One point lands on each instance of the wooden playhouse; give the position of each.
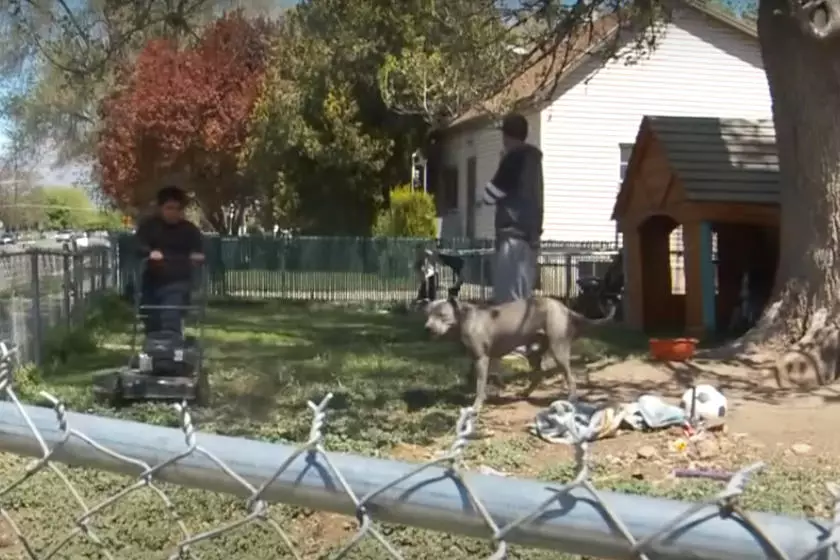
(717, 179)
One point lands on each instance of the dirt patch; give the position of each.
(8, 540)
(316, 531)
(766, 416)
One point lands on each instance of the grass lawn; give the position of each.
(395, 395)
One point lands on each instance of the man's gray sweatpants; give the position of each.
(515, 273)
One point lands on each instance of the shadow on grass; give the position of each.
(613, 342)
(609, 346)
(266, 361)
(77, 370)
(272, 358)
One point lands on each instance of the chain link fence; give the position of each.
(440, 495)
(45, 289)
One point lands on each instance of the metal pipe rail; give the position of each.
(574, 520)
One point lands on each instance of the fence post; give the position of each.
(37, 319)
(282, 257)
(567, 264)
(66, 282)
(114, 262)
(102, 257)
(79, 291)
(482, 267)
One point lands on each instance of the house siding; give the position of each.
(700, 68)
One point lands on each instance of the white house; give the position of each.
(707, 63)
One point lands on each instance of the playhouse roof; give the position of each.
(716, 160)
(721, 160)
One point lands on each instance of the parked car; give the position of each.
(63, 236)
(8, 239)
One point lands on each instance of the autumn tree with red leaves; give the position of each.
(181, 115)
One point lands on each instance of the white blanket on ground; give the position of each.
(564, 422)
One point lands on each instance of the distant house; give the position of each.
(707, 64)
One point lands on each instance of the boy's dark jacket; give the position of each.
(176, 242)
(520, 213)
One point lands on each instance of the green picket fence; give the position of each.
(366, 269)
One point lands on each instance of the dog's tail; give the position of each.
(585, 322)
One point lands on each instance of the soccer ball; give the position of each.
(709, 405)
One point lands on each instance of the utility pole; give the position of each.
(16, 191)
(419, 164)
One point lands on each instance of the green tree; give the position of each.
(107, 220)
(456, 54)
(19, 193)
(339, 116)
(66, 207)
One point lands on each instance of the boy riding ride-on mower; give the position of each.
(168, 365)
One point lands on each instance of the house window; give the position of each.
(626, 151)
(449, 189)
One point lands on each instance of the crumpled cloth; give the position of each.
(565, 422)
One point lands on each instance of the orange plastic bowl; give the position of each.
(672, 349)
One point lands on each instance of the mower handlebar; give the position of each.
(146, 260)
(198, 280)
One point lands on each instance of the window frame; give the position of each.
(449, 189)
(625, 152)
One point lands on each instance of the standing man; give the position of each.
(517, 191)
(173, 246)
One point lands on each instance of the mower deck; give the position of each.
(165, 364)
(126, 385)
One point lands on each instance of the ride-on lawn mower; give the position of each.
(168, 365)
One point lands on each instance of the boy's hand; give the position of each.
(197, 257)
(155, 256)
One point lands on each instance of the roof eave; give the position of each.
(702, 7)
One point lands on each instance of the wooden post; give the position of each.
(699, 279)
(633, 280)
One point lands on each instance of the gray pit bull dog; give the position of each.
(489, 332)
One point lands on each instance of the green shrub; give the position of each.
(410, 213)
(61, 343)
(108, 313)
(105, 315)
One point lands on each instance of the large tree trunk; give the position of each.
(804, 78)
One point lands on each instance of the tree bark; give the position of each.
(804, 79)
